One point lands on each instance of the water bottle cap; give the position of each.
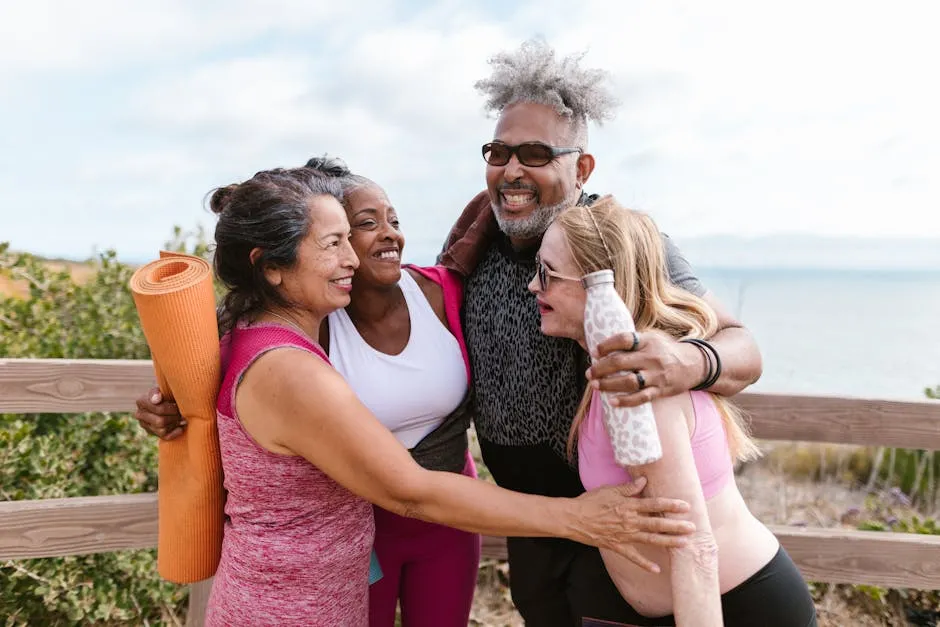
(601, 277)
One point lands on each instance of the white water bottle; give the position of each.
(632, 430)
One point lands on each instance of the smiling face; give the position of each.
(561, 305)
(376, 236)
(526, 199)
(320, 280)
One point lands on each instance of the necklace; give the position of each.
(288, 321)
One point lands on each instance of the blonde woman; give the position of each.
(734, 572)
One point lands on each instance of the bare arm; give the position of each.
(696, 594)
(741, 363)
(293, 403)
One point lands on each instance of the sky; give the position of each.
(746, 119)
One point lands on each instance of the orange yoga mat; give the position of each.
(176, 303)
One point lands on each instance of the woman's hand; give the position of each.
(614, 518)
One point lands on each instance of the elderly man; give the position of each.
(527, 386)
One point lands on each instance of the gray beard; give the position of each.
(533, 225)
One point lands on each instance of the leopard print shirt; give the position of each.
(527, 386)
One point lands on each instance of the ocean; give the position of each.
(835, 332)
(867, 334)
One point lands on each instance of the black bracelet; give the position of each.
(714, 377)
(714, 367)
(709, 363)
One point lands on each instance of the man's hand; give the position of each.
(614, 518)
(658, 366)
(158, 417)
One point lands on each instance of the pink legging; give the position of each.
(431, 569)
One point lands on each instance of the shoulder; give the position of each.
(476, 204)
(291, 371)
(432, 291)
(286, 390)
(470, 233)
(472, 211)
(679, 269)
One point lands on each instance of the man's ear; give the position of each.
(584, 167)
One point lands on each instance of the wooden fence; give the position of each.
(76, 526)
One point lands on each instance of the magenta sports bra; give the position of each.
(596, 463)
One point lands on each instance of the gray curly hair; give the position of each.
(533, 74)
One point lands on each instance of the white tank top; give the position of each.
(412, 392)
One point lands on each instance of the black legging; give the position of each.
(774, 596)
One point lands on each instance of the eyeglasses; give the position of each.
(544, 274)
(532, 154)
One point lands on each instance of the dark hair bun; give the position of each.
(220, 198)
(329, 166)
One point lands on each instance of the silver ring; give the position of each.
(640, 381)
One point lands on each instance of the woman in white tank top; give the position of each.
(394, 348)
(413, 390)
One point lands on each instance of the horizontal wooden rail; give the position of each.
(68, 386)
(56, 527)
(902, 424)
(72, 386)
(899, 560)
(77, 526)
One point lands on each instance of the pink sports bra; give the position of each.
(596, 463)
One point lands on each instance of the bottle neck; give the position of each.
(598, 279)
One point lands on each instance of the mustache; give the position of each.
(518, 186)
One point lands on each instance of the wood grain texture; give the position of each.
(198, 600)
(864, 422)
(72, 385)
(77, 526)
(894, 560)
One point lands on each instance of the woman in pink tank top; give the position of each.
(303, 458)
(734, 572)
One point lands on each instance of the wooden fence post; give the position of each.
(198, 598)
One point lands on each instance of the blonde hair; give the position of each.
(606, 235)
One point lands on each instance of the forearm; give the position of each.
(741, 363)
(696, 594)
(481, 507)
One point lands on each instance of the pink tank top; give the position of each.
(296, 545)
(596, 463)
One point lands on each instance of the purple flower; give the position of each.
(900, 497)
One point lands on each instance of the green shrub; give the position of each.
(53, 455)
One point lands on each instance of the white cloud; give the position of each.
(737, 116)
(96, 35)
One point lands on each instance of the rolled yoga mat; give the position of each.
(176, 303)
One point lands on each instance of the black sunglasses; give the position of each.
(545, 274)
(532, 154)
